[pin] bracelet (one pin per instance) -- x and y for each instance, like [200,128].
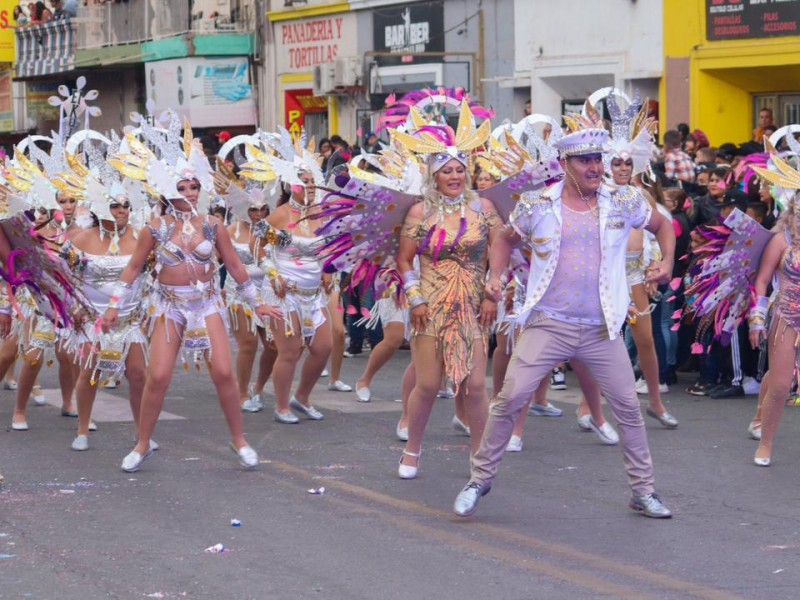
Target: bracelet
[119,294]
[247,291]
[411,287]
[271,235]
[757,317]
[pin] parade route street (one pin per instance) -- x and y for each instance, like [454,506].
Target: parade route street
[556,525]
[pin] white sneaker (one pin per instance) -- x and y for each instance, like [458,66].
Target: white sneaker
[248,457]
[402,433]
[363,394]
[514,444]
[92,426]
[309,411]
[605,432]
[134,460]
[252,405]
[446,393]
[751,386]
[339,386]
[9,384]
[38,398]
[460,426]
[558,380]
[641,387]
[325,373]
[153,444]
[584,422]
[80,443]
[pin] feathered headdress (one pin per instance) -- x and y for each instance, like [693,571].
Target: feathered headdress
[430,105]
[92,179]
[241,195]
[586,135]
[441,144]
[176,158]
[631,134]
[778,170]
[292,157]
[25,176]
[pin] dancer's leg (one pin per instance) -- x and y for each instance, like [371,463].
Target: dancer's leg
[428,368]
[393,335]
[247,344]
[337,335]
[266,363]
[782,360]
[136,374]
[220,367]
[646,348]
[318,353]
[290,347]
[164,350]
[476,401]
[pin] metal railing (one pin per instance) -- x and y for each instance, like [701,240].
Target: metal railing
[46,48]
[137,21]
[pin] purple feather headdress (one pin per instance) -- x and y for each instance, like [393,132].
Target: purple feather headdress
[431,102]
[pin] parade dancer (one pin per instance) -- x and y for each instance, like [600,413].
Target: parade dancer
[578,232]
[781,257]
[249,205]
[188,311]
[98,255]
[295,281]
[450,231]
[41,337]
[629,152]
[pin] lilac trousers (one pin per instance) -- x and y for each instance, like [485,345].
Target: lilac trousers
[539,349]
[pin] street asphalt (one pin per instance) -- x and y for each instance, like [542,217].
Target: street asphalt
[555,526]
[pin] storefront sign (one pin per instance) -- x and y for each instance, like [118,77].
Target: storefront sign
[6,101]
[37,94]
[7,25]
[297,104]
[412,29]
[746,19]
[301,45]
[210,92]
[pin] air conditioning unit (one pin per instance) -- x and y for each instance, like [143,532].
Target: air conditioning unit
[323,80]
[348,71]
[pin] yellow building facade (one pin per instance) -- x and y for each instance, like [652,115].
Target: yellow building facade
[724,60]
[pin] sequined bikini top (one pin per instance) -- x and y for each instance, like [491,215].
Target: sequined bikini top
[170,254]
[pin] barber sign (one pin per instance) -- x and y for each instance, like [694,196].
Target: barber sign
[411,29]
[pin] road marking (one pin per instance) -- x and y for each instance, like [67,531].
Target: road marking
[541,546]
[107,408]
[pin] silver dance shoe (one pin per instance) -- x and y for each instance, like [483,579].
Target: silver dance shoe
[650,506]
[467,500]
[667,420]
